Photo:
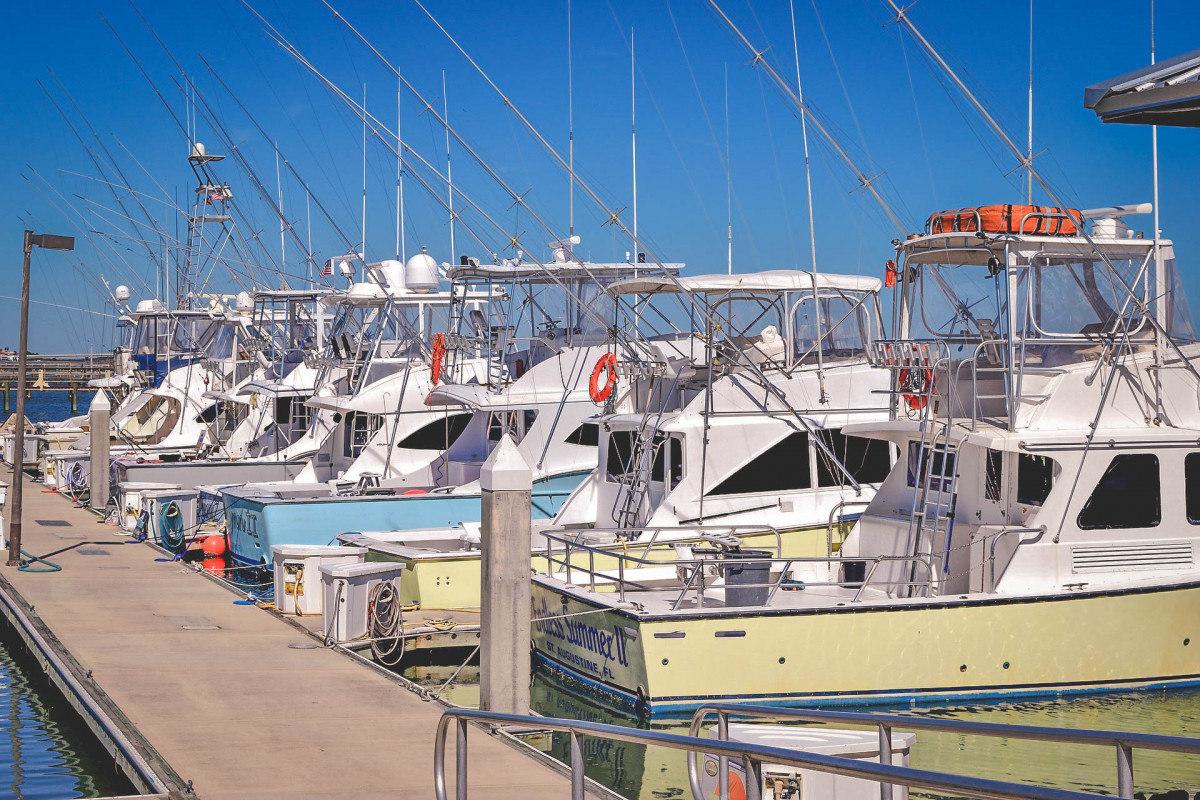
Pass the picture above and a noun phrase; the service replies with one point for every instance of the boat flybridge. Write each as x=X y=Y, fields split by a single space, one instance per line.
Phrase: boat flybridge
x=510 y=354
x=733 y=428
x=1037 y=536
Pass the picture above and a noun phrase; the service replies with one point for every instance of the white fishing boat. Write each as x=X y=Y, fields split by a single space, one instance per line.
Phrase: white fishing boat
x=752 y=446
x=1038 y=535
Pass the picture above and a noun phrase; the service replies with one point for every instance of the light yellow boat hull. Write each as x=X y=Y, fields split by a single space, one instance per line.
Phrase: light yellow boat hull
x=983 y=647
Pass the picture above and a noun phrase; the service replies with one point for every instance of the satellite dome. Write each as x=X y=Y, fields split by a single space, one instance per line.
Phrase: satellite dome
x=121 y=293
x=244 y=303
x=421 y=273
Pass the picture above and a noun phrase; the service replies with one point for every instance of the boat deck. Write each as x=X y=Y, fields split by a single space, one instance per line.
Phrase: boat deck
x=230 y=698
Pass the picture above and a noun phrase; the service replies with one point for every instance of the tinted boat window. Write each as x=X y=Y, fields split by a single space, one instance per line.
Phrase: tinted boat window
x=620 y=451
x=867 y=459
x=586 y=435
x=1035 y=479
x=437 y=435
x=1191 y=477
x=782 y=468
x=1127 y=496
x=993 y=474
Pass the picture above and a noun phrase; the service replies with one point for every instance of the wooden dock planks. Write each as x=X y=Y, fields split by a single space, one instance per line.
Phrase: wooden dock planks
x=216 y=690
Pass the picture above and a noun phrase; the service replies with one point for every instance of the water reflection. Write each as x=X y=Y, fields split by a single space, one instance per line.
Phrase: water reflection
x=47 y=753
x=652 y=773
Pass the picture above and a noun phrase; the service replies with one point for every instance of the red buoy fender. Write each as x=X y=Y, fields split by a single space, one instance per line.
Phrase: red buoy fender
x=606 y=365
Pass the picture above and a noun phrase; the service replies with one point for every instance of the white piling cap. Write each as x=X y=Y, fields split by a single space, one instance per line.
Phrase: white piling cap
x=100 y=403
x=506 y=469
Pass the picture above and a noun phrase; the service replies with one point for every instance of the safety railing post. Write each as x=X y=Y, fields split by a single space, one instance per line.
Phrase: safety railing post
x=576 y=766
x=753 y=777
x=723 y=761
x=460 y=761
x=885 y=757
x=1124 y=771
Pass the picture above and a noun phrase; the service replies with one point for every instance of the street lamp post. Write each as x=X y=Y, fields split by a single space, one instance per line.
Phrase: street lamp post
x=47 y=242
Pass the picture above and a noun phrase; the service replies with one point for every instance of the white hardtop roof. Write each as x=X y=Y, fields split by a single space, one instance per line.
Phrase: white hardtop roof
x=779 y=280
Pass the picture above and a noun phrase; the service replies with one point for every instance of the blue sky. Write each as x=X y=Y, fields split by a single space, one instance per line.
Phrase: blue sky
x=871 y=85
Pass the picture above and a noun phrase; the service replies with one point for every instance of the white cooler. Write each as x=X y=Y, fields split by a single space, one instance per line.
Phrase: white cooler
x=154 y=501
x=794 y=783
x=351 y=585
x=297 y=569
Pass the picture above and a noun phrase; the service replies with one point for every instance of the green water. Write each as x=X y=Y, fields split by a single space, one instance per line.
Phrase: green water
x=651 y=773
x=45 y=751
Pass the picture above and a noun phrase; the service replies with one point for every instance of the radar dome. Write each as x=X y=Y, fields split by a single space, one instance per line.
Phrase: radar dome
x=244 y=303
x=392 y=273
x=421 y=273
x=121 y=293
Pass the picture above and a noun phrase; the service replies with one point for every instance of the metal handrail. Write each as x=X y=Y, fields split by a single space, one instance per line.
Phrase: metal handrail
x=1123 y=741
x=1040 y=531
x=833 y=512
x=754 y=756
x=697 y=566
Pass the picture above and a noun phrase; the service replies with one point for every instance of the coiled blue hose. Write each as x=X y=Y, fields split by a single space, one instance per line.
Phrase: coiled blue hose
x=170 y=526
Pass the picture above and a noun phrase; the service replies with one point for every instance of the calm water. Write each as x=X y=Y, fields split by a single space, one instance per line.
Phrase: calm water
x=50 y=406
x=45 y=751
x=651 y=773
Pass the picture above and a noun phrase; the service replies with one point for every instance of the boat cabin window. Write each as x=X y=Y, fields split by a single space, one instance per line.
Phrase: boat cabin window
x=208 y=415
x=1127 y=496
x=586 y=435
x=620 y=454
x=868 y=460
x=842 y=324
x=291 y=411
x=1071 y=295
x=437 y=435
x=1035 y=479
x=1191 y=477
x=918 y=465
x=360 y=427
x=993 y=475
x=782 y=468
x=755 y=326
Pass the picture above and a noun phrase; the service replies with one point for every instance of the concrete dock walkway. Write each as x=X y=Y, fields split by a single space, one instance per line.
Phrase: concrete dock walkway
x=233 y=699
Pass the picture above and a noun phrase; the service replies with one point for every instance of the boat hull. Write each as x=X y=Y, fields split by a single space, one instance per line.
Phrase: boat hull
x=909 y=651
x=256 y=523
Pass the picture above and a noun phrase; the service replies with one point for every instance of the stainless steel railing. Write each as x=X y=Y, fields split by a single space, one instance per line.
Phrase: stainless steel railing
x=754 y=756
x=1123 y=742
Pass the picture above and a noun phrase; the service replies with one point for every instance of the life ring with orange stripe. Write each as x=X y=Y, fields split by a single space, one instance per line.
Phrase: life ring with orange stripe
x=917 y=384
x=607 y=365
x=438 y=354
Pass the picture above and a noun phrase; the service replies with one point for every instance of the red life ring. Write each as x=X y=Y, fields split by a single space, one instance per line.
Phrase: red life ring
x=439 y=353
x=917 y=385
x=607 y=363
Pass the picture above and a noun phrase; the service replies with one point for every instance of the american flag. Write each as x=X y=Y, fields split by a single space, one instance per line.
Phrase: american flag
x=327 y=267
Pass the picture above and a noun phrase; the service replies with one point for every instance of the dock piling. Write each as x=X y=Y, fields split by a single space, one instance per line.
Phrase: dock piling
x=506 y=482
x=98 y=415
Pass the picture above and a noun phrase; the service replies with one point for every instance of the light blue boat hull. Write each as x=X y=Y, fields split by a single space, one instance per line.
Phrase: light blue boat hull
x=257 y=523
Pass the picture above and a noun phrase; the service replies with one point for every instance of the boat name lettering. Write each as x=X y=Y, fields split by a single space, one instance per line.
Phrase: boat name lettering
x=608 y=644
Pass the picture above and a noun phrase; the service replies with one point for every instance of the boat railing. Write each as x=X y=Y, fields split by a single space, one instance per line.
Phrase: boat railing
x=755 y=756
x=836 y=516
x=692 y=572
x=1021 y=532
x=1124 y=742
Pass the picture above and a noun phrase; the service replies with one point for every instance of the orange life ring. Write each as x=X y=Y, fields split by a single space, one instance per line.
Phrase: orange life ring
x=439 y=353
x=917 y=385
x=607 y=363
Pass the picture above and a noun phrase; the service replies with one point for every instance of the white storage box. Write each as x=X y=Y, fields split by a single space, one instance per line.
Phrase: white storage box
x=297 y=569
x=68 y=477
x=781 y=781
x=157 y=502
x=346 y=591
x=129 y=501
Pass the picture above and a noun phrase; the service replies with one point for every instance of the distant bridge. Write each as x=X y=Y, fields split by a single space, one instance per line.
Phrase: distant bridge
x=68 y=373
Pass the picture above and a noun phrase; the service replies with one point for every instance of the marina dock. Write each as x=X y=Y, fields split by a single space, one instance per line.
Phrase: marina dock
x=219 y=700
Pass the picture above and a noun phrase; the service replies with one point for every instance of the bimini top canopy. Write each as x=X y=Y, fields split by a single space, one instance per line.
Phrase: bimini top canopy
x=771 y=281
x=1166 y=93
